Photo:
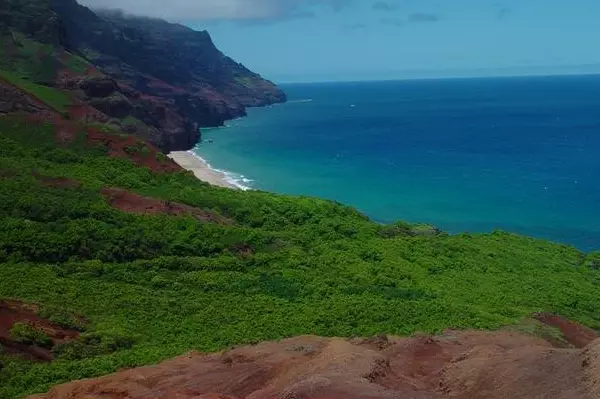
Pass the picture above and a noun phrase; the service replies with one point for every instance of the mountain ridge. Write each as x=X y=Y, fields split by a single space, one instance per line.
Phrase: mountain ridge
x=159 y=80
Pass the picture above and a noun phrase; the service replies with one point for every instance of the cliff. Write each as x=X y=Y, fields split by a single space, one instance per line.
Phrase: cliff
x=158 y=80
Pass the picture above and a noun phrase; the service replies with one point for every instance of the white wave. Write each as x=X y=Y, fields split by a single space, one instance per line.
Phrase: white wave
x=238 y=180
x=307 y=100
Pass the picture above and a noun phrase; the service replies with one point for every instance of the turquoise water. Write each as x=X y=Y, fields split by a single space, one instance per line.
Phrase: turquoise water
x=520 y=154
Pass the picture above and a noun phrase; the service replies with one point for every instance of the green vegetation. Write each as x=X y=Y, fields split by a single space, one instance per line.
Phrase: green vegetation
x=156 y=286
x=29 y=334
x=132 y=121
x=105 y=127
x=160 y=157
x=140 y=148
x=90 y=345
x=28 y=59
x=62 y=317
x=541 y=330
x=76 y=63
x=48 y=95
x=245 y=81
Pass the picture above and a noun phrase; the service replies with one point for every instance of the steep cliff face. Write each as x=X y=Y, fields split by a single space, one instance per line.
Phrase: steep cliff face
x=149 y=77
x=33 y=17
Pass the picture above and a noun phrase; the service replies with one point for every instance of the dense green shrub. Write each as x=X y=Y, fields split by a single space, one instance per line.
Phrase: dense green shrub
x=62 y=317
x=593 y=261
x=30 y=335
x=92 y=344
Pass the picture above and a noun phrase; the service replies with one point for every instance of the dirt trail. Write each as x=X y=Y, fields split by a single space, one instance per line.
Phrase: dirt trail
x=471 y=364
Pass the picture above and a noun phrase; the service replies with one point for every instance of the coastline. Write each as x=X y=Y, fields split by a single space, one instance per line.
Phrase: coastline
x=202 y=170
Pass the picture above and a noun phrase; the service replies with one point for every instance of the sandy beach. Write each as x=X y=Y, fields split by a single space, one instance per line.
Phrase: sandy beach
x=201 y=169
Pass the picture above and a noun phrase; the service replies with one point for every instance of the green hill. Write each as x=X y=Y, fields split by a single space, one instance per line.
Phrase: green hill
x=103 y=234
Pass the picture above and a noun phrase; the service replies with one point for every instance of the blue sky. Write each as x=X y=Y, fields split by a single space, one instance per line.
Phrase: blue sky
x=322 y=40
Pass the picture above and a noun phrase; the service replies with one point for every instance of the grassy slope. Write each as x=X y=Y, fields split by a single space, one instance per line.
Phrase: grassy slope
x=172 y=284
x=28 y=59
x=53 y=98
x=23 y=62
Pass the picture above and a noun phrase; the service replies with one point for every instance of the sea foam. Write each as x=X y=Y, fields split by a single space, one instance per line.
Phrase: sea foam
x=236 y=179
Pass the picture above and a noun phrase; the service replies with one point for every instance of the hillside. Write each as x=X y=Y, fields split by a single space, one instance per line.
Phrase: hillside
x=157 y=80
x=111 y=256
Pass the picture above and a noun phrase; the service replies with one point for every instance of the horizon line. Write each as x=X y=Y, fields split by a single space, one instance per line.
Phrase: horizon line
x=442 y=77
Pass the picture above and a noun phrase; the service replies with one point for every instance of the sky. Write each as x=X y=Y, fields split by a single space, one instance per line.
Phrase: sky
x=347 y=40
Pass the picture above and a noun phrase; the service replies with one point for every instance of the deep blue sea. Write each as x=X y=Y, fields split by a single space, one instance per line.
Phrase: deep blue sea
x=467 y=155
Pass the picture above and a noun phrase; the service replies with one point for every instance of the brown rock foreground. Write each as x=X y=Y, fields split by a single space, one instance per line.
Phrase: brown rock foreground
x=454 y=365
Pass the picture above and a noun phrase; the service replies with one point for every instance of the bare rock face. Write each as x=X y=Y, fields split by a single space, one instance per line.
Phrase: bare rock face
x=464 y=365
x=116 y=105
x=100 y=86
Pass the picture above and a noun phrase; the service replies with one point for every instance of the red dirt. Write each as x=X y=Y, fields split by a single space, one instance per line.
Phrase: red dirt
x=463 y=365
x=92 y=71
x=12 y=312
x=65 y=131
x=133 y=203
x=86 y=114
x=577 y=335
x=117 y=147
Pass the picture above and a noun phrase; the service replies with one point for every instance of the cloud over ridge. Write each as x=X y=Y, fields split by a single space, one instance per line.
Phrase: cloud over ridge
x=217 y=9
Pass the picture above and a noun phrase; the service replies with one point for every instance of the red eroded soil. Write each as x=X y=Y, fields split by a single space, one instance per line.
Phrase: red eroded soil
x=92 y=71
x=65 y=131
x=471 y=364
x=120 y=147
x=133 y=203
x=12 y=312
x=86 y=113
x=577 y=335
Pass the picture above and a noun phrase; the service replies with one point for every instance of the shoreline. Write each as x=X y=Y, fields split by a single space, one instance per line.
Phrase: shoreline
x=188 y=160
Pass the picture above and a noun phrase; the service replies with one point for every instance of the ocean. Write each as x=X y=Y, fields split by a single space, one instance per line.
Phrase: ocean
x=466 y=155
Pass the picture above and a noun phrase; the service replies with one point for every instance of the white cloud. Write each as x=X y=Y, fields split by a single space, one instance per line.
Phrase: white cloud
x=216 y=9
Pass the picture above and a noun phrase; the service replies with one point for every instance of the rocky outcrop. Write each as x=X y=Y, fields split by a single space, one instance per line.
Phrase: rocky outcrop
x=100 y=86
x=116 y=105
x=461 y=365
